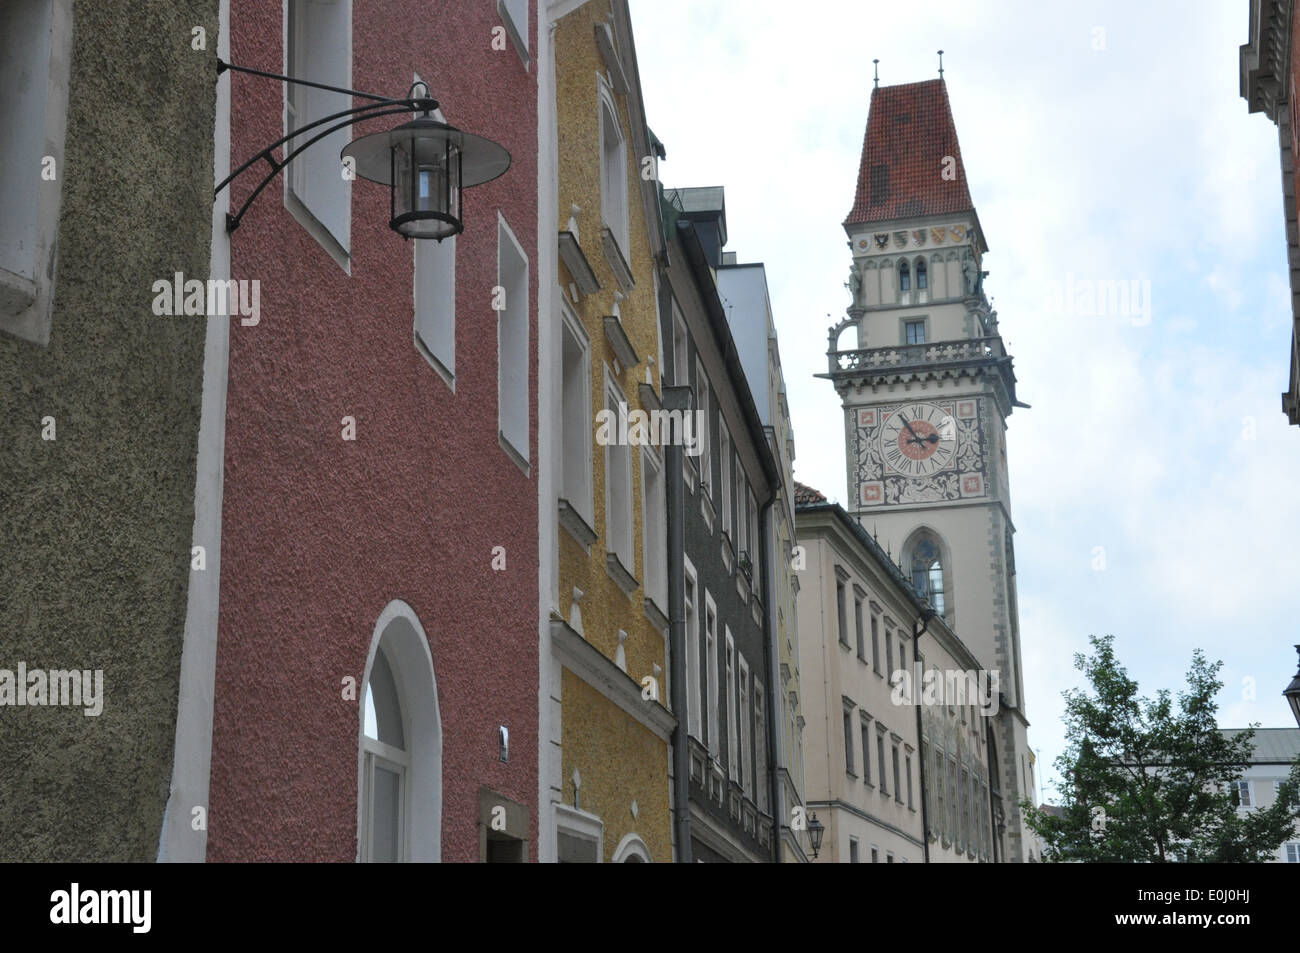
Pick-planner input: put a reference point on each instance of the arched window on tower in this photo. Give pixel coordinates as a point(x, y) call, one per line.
point(904, 277)
point(927, 573)
point(922, 278)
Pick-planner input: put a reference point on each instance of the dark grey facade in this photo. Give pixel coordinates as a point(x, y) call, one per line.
point(718, 554)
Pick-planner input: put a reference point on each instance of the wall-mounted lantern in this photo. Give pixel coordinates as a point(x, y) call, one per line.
point(425, 163)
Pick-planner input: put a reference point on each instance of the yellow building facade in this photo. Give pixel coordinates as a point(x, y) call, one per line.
point(605, 727)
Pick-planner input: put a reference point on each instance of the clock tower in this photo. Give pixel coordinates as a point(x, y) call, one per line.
point(927, 386)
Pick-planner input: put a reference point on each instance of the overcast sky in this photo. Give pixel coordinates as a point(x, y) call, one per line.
point(1104, 141)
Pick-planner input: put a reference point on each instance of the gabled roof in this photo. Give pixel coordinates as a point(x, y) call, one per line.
point(1272, 745)
point(805, 495)
point(910, 131)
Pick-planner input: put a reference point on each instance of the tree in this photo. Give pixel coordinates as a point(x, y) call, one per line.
point(1151, 780)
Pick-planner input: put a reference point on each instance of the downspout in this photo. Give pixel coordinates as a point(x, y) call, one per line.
point(678, 398)
point(773, 661)
point(926, 615)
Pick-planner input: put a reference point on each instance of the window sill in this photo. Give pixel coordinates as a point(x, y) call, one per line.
point(619, 573)
point(576, 524)
point(658, 618)
point(317, 230)
point(520, 460)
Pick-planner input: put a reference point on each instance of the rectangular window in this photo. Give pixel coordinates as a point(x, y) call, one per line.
point(514, 15)
point(681, 367)
point(35, 54)
point(613, 169)
point(857, 625)
point(889, 656)
point(733, 739)
point(618, 485)
point(909, 782)
point(435, 303)
point(889, 857)
point(319, 48)
point(654, 529)
point(880, 751)
point(866, 751)
point(853, 850)
point(839, 613)
point(575, 414)
point(754, 539)
point(875, 644)
point(848, 742)
point(746, 720)
point(915, 332)
point(512, 342)
point(1244, 794)
point(1293, 853)
point(703, 401)
point(711, 666)
point(693, 687)
point(898, 787)
point(760, 746)
point(875, 854)
point(724, 452)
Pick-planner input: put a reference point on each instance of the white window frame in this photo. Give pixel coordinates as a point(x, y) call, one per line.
point(434, 293)
point(733, 735)
point(316, 192)
point(620, 532)
point(614, 205)
point(745, 720)
point(515, 18)
point(1246, 794)
point(694, 690)
point(513, 338)
point(702, 401)
point(37, 56)
point(711, 666)
point(654, 532)
point(681, 349)
point(724, 453)
point(576, 434)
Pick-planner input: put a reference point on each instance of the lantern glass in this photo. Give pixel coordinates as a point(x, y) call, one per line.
point(426, 187)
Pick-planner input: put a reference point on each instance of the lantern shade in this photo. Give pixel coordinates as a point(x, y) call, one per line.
point(426, 164)
point(815, 831)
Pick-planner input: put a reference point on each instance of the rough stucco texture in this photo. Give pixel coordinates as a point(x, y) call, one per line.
point(320, 534)
point(597, 738)
point(95, 525)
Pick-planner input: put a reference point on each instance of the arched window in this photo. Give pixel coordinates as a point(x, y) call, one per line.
point(904, 277)
point(613, 171)
point(399, 771)
point(631, 850)
point(922, 278)
point(927, 573)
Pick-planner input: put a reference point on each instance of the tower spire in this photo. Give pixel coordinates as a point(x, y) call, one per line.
point(941, 64)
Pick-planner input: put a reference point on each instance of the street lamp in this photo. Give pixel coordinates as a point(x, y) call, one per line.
point(425, 163)
point(815, 831)
point(1292, 692)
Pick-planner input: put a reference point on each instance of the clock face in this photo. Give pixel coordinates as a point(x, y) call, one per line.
point(918, 440)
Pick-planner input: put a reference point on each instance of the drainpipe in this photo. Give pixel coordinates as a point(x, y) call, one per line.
point(678, 398)
point(779, 813)
point(926, 615)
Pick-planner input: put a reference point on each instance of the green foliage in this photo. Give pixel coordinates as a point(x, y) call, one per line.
point(1149, 780)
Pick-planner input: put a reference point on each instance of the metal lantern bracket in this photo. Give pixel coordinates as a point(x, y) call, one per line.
point(378, 106)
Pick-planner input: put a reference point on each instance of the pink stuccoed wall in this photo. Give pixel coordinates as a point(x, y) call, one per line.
point(319, 534)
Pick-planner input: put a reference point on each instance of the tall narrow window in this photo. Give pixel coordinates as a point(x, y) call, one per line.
point(724, 452)
point(733, 736)
point(319, 49)
point(435, 303)
point(704, 404)
point(842, 623)
point(711, 663)
point(866, 751)
point(745, 719)
point(857, 625)
point(898, 787)
point(512, 342)
point(927, 573)
point(760, 747)
point(681, 367)
point(875, 644)
point(693, 687)
point(880, 752)
point(654, 529)
point(385, 767)
point(514, 14)
point(575, 421)
point(613, 170)
point(889, 657)
point(618, 484)
point(904, 277)
point(922, 277)
point(848, 741)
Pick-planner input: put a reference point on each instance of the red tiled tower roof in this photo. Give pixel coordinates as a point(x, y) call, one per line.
point(909, 132)
point(805, 495)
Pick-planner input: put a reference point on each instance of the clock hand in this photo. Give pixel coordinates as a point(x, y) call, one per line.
point(910, 430)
